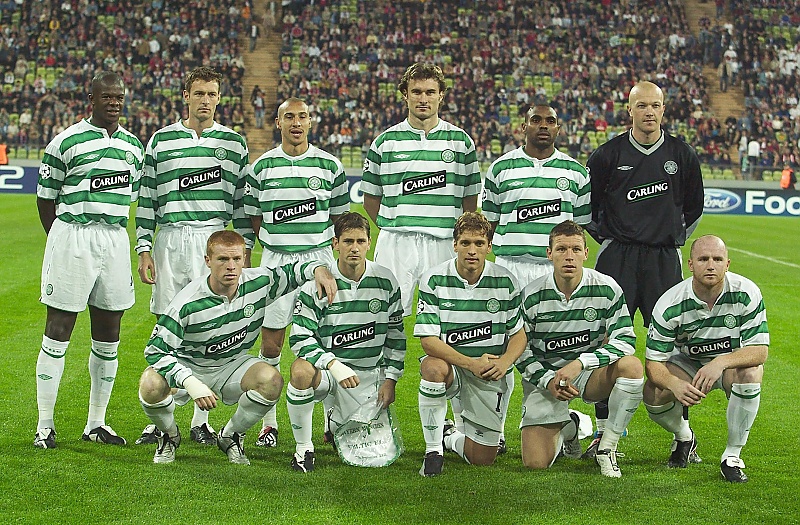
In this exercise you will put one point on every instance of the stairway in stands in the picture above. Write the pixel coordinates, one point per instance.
(722, 104)
(261, 68)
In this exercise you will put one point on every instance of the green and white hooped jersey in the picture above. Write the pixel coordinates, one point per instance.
(363, 328)
(92, 177)
(421, 179)
(560, 331)
(472, 319)
(192, 181)
(296, 197)
(206, 330)
(683, 322)
(528, 196)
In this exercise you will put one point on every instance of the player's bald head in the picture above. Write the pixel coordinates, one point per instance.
(645, 89)
(706, 243)
(297, 104)
(105, 79)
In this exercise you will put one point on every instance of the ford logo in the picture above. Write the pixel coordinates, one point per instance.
(720, 201)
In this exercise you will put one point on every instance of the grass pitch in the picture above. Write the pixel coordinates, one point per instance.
(87, 482)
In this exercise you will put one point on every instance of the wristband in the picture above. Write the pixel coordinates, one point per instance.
(340, 371)
(196, 388)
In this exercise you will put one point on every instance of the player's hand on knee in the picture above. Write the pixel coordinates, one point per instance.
(343, 374)
(326, 284)
(203, 396)
(496, 370)
(687, 394)
(386, 394)
(705, 378)
(562, 389)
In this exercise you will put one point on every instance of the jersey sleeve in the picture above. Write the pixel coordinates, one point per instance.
(52, 173)
(597, 166)
(529, 367)
(582, 210)
(340, 197)
(394, 349)
(147, 206)
(162, 349)
(754, 329)
(661, 334)
(693, 196)
(472, 170)
(288, 277)
(428, 321)
(306, 320)
(241, 222)
(371, 178)
(491, 195)
(619, 331)
(252, 189)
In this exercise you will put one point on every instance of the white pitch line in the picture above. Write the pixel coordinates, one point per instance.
(751, 254)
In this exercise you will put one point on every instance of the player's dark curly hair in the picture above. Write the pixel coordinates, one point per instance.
(474, 222)
(421, 71)
(204, 74)
(350, 221)
(567, 228)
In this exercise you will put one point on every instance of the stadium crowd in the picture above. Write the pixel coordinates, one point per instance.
(49, 51)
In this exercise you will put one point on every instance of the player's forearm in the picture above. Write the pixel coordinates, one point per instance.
(435, 347)
(659, 375)
(746, 357)
(47, 213)
(516, 345)
(372, 205)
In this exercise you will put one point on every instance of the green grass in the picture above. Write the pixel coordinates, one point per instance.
(86, 482)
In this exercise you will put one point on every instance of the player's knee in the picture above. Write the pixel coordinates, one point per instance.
(630, 367)
(535, 462)
(268, 382)
(750, 374)
(434, 369)
(302, 374)
(152, 387)
(271, 343)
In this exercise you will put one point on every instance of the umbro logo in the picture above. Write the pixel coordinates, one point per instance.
(175, 154)
(448, 304)
(207, 326)
(402, 156)
(334, 308)
(624, 168)
(273, 184)
(93, 156)
(516, 183)
(545, 317)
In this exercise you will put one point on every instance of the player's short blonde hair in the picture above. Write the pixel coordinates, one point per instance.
(472, 221)
(224, 238)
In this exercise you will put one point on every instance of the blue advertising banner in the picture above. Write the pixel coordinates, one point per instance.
(737, 201)
(16, 179)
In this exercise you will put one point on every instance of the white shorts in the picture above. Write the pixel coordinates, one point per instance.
(278, 315)
(481, 405)
(225, 380)
(87, 264)
(179, 257)
(348, 400)
(525, 270)
(690, 366)
(539, 407)
(408, 256)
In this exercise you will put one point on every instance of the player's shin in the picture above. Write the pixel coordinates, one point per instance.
(252, 407)
(300, 406)
(49, 369)
(103, 366)
(670, 417)
(622, 404)
(742, 409)
(271, 418)
(432, 411)
(162, 414)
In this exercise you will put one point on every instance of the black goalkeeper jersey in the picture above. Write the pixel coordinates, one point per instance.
(651, 196)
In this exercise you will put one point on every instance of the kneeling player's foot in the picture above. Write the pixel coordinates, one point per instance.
(327, 438)
(203, 434)
(233, 447)
(167, 445)
(432, 465)
(694, 458)
(268, 437)
(591, 451)
(104, 434)
(681, 451)
(149, 435)
(731, 470)
(45, 438)
(448, 429)
(607, 459)
(501, 446)
(572, 447)
(303, 463)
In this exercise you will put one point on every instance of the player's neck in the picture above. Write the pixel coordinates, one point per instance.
(470, 275)
(539, 154)
(645, 139)
(197, 126)
(425, 125)
(353, 273)
(708, 295)
(567, 285)
(218, 288)
(295, 150)
(110, 127)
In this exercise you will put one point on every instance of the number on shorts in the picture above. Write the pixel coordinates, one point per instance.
(499, 401)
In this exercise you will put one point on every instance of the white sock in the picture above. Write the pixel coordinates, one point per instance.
(742, 410)
(670, 417)
(271, 418)
(455, 404)
(622, 404)
(600, 424)
(200, 417)
(162, 414)
(300, 405)
(252, 407)
(432, 411)
(504, 403)
(103, 366)
(569, 431)
(49, 369)
(327, 406)
(455, 442)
